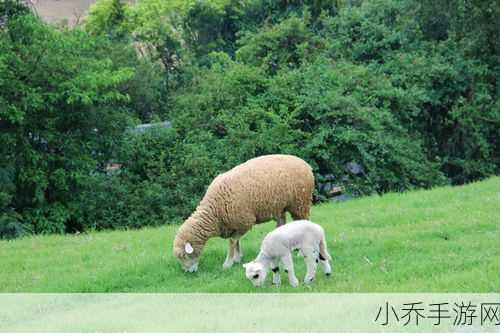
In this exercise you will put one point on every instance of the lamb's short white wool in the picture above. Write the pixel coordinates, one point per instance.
(302, 235)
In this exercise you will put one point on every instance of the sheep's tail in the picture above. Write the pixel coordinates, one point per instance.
(323, 250)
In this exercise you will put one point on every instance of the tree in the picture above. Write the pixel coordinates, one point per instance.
(61, 112)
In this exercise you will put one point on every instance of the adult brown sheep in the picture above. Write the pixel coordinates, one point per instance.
(256, 191)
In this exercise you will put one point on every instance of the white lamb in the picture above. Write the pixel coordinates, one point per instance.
(302, 235)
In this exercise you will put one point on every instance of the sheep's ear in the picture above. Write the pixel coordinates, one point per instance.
(188, 248)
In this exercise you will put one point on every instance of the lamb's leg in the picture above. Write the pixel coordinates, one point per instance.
(325, 265)
(311, 259)
(230, 255)
(276, 272)
(288, 264)
(238, 254)
(281, 219)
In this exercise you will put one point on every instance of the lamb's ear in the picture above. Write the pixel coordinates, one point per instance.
(188, 248)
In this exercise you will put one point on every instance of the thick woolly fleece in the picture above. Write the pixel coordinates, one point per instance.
(256, 191)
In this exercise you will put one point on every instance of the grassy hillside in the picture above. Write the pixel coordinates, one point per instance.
(443, 240)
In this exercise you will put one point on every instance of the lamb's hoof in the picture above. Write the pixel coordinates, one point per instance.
(328, 274)
(277, 282)
(308, 280)
(294, 283)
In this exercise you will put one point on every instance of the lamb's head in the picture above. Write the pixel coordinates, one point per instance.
(255, 272)
(186, 253)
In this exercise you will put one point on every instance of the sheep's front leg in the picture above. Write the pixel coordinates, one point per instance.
(230, 254)
(238, 254)
(276, 272)
(281, 219)
(311, 259)
(288, 264)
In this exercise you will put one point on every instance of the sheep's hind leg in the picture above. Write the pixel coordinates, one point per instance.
(311, 259)
(325, 265)
(288, 264)
(300, 212)
(276, 272)
(238, 254)
(281, 219)
(230, 255)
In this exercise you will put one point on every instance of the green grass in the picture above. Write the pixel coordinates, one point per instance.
(442, 240)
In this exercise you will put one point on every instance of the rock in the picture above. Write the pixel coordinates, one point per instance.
(354, 168)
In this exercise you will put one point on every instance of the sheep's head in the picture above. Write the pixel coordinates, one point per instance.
(255, 272)
(186, 254)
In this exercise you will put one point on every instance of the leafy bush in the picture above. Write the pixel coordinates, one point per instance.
(160, 180)
(330, 114)
(455, 112)
(445, 98)
(344, 112)
(11, 226)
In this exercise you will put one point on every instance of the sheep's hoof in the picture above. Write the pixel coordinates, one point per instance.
(227, 265)
(294, 283)
(309, 280)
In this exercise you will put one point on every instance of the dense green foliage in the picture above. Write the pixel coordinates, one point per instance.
(64, 104)
(408, 90)
(60, 109)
